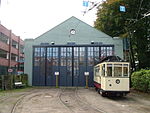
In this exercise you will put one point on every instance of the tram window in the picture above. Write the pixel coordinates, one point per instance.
(97, 71)
(103, 70)
(118, 70)
(109, 70)
(125, 70)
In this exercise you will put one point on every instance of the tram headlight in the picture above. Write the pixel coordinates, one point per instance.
(117, 81)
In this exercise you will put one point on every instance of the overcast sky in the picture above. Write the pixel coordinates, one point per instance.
(31, 18)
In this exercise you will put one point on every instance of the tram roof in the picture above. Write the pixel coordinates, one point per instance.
(112, 59)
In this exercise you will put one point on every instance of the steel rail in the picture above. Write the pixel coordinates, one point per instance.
(61, 100)
(20, 99)
(88, 104)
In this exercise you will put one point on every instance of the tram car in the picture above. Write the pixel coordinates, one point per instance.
(111, 77)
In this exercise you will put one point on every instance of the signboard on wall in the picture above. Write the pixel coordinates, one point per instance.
(10, 70)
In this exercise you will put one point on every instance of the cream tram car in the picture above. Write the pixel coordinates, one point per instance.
(111, 77)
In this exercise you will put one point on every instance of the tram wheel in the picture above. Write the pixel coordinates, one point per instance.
(103, 94)
(98, 90)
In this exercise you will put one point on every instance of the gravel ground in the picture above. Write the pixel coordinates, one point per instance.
(71, 100)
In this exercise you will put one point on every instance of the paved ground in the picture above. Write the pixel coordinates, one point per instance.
(71, 100)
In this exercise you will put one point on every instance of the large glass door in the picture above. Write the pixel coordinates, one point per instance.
(52, 65)
(66, 64)
(79, 67)
(70, 62)
(39, 66)
(73, 66)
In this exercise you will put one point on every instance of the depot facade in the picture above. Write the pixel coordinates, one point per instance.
(69, 50)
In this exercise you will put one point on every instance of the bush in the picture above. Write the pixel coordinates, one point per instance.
(7, 81)
(24, 79)
(141, 80)
(21, 78)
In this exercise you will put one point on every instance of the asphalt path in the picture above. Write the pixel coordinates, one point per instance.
(71, 100)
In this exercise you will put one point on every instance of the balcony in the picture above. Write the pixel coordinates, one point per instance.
(4, 46)
(3, 62)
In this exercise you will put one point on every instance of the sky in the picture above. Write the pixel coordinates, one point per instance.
(31, 18)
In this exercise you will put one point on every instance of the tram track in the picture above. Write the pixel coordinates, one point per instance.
(67, 100)
(88, 104)
(7, 97)
(74, 103)
(64, 102)
(29, 98)
(3, 98)
(21, 99)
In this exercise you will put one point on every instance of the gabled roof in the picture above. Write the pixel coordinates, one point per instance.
(75, 24)
(84, 34)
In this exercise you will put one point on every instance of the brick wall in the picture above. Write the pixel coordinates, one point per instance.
(9, 48)
(3, 62)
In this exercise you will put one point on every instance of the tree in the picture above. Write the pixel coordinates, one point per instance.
(130, 24)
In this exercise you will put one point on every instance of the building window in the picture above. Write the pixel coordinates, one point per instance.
(96, 55)
(22, 49)
(14, 44)
(106, 51)
(14, 57)
(63, 56)
(22, 59)
(4, 38)
(90, 56)
(3, 54)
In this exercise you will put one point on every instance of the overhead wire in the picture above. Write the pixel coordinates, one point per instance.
(139, 9)
(135, 20)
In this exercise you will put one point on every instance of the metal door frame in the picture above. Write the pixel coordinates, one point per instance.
(59, 57)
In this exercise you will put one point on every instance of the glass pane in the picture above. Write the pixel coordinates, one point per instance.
(103, 70)
(3, 54)
(43, 52)
(63, 56)
(90, 56)
(55, 56)
(37, 57)
(125, 71)
(103, 52)
(76, 61)
(97, 71)
(118, 70)
(96, 55)
(109, 69)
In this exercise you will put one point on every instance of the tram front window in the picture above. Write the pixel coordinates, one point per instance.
(103, 70)
(118, 70)
(109, 70)
(125, 70)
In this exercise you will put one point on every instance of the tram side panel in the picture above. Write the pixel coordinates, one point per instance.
(110, 85)
(114, 84)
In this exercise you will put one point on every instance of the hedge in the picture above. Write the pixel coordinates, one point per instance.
(7, 81)
(141, 80)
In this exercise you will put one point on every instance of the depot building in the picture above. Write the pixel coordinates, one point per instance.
(69, 51)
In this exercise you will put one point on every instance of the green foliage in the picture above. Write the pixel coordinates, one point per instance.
(24, 79)
(141, 80)
(7, 81)
(130, 24)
